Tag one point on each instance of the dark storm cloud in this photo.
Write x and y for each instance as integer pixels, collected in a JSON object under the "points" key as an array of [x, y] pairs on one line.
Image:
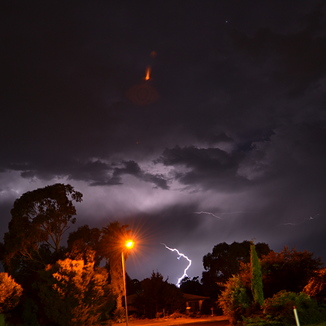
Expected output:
{"points": [[56, 76], [5, 208], [131, 168], [300, 56], [295, 151], [78, 170], [96, 172], [209, 167], [78, 71], [55, 167], [238, 129]]}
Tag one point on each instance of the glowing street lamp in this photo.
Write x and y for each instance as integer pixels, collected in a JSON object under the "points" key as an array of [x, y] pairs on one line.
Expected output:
{"points": [[129, 244]]}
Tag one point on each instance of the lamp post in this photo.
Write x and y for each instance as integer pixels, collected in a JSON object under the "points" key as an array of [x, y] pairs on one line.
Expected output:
{"points": [[129, 244]]}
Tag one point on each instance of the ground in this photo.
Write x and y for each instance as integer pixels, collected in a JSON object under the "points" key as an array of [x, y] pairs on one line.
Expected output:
{"points": [[173, 321]]}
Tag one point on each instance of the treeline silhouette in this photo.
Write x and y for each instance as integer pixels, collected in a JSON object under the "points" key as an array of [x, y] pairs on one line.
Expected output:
{"points": [[47, 283]]}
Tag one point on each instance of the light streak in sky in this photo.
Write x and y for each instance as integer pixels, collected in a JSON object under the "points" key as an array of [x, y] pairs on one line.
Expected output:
{"points": [[310, 218], [208, 213], [218, 216], [180, 255]]}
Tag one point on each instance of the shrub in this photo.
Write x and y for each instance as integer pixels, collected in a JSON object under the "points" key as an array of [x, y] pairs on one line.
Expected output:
{"points": [[10, 292], [280, 308], [2, 320], [316, 286], [260, 321], [234, 299], [119, 315], [74, 292]]}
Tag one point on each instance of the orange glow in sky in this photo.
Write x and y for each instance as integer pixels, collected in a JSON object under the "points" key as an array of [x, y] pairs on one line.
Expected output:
{"points": [[148, 73]]}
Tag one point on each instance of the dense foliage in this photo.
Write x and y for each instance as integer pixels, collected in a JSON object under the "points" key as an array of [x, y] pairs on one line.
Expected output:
{"points": [[39, 219], [234, 299], [256, 277], [280, 308], [74, 293], [288, 270], [33, 253], [192, 286], [10, 293], [111, 245], [224, 261], [277, 309], [57, 285], [157, 296], [83, 241], [316, 286]]}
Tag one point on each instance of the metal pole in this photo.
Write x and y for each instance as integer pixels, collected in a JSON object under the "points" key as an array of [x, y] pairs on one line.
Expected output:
{"points": [[296, 316], [124, 285]]}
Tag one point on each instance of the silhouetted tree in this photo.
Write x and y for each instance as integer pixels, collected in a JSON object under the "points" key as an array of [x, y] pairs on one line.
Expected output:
{"points": [[133, 285], [159, 296], [191, 286], [39, 220], [83, 240], [111, 245], [288, 270], [224, 261]]}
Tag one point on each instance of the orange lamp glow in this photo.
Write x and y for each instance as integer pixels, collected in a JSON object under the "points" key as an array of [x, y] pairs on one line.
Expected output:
{"points": [[129, 244]]}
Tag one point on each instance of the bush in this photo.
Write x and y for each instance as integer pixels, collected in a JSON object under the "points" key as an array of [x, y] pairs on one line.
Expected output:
{"points": [[10, 293], [2, 320], [280, 308], [260, 321], [234, 299], [119, 315]]}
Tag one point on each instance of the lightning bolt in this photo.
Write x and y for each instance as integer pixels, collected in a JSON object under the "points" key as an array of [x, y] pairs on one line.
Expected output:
{"points": [[183, 256]]}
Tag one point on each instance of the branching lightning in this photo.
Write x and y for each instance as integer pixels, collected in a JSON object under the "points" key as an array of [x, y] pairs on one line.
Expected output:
{"points": [[183, 256]]}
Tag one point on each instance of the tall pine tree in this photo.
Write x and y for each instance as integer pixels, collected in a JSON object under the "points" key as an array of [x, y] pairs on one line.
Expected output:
{"points": [[256, 276]]}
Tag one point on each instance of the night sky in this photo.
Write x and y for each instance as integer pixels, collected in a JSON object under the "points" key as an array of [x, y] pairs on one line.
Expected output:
{"points": [[225, 142]]}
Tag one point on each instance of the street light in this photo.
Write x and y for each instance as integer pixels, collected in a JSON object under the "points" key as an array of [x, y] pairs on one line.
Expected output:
{"points": [[129, 244]]}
